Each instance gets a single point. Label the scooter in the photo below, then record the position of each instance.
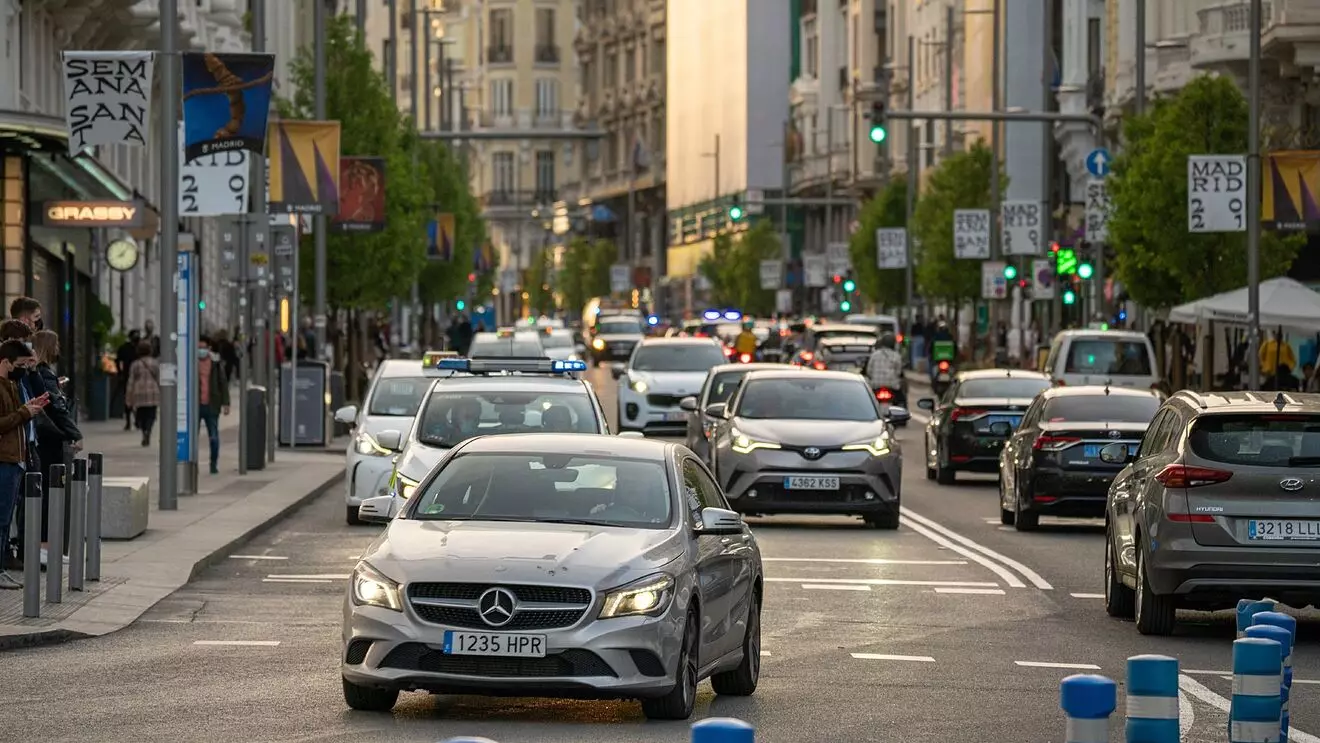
(943, 378)
(890, 397)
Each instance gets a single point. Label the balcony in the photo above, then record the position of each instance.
(499, 54)
(547, 54)
(1292, 32)
(1223, 36)
(509, 203)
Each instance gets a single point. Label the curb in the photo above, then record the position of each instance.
(56, 636)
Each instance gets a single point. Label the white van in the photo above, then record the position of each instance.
(1122, 358)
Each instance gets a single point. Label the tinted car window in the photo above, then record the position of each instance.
(618, 327)
(549, 488)
(1103, 356)
(398, 396)
(505, 347)
(807, 399)
(452, 417)
(1102, 407)
(723, 386)
(1002, 387)
(1258, 440)
(694, 357)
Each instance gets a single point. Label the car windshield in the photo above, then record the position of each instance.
(557, 340)
(616, 326)
(398, 396)
(1105, 356)
(495, 347)
(723, 386)
(1004, 387)
(549, 488)
(1102, 407)
(452, 417)
(677, 357)
(1271, 440)
(809, 398)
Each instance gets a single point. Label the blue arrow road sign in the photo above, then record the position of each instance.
(1097, 163)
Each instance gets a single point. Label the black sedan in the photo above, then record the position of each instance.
(959, 437)
(1051, 465)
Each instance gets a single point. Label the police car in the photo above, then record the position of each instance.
(486, 397)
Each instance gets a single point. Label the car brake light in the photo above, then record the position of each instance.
(959, 413)
(745, 358)
(944, 366)
(1191, 518)
(1182, 476)
(728, 351)
(1054, 443)
(808, 356)
(884, 395)
(820, 365)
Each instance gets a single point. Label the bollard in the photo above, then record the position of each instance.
(55, 535)
(77, 525)
(1248, 608)
(95, 475)
(1257, 679)
(1088, 701)
(1152, 699)
(32, 545)
(722, 730)
(1285, 640)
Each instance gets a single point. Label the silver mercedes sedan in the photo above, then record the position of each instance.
(558, 565)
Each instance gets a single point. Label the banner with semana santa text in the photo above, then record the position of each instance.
(107, 98)
(226, 102)
(361, 195)
(304, 167)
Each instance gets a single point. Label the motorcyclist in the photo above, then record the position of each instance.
(885, 368)
(942, 333)
(746, 342)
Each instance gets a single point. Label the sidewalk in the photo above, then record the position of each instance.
(135, 574)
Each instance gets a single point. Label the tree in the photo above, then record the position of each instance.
(536, 282)
(888, 287)
(447, 178)
(960, 182)
(733, 268)
(586, 271)
(1155, 257)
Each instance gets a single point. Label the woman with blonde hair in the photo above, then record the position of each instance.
(144, 390)
(57, 425)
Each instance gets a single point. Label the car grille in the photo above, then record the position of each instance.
(802, 451)
(357, 652)
(414, 656)
(473, 591)
(664, 401)
(455, 605)
(775, 492)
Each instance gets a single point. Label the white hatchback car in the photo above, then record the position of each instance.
(1121, 358)
(658, 375)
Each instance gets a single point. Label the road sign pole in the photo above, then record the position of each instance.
(1253, 194)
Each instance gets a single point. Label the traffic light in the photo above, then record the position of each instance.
(1069, 296)
(461, 305)
(1085, 270)
(1010, 272)
(838, 279)
(878, 133)
(201, 304)
(850, 286)
(845, 306)
(735, 213)
(1065, 262)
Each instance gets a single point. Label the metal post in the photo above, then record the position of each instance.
(393, 62)
(717, 166)
(272, 367)
(996, 103)
(168, 314)
(55, 529)
(448, 110)
(1140, 93)
(911, 156)
(259, 197)
(360, 15)
(1253, 195)
(427, 115)
(786, 177)
(318, 226)
(829, 178)
(1047, 184)
(95, 479)
(948, 78)
(32, 545)
(78, 525)
(244, 330)
(294, 328)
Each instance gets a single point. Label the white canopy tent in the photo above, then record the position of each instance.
(1283, 301)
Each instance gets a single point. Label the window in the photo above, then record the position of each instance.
(547, 98)
(1101, 407)
(501, 29)
(454, 417)
(1156, 434)
(611, 69)
(629, 65)
(398, 396)
(611, 152)
(502, 172)
(658, 57)
(618, 327)
(545, 172)
(1103, 356)
(812, 51)
(807, 399)
(723, 386)
(519, 346)
(658, 136)
(1258, 440)
(545, 27)
(549, 488)
(501, 97)
(1004, 388)
(687, 357)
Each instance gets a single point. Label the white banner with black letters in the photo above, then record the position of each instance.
(213, 184)
(107, 97)
(772, 274)
(891, 247)
(971, 234)
(1024, 227)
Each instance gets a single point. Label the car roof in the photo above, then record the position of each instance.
(758, 366)
(835, 327)
(678, 341)
(1096, 390)
(1248, 402)
(390, 368)
(1114, 334)
(496, 382)
(784, 373)
(570, 443)
(965, 376)
(843, 340)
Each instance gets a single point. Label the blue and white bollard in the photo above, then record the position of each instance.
(723, 730)
(1247, 609)
(1088, 701)
(1257, 680)
(1285, 640)
(1152, 699)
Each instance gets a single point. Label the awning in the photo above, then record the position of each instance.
(1283, 301)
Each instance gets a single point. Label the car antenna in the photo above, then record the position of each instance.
(1280, 401)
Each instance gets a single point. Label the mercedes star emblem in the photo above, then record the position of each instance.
(811, 452)
(1115, 434)
(1291, 484)
(496, 607)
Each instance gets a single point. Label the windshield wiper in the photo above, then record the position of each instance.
(581, 522)
(1303, 461)
(432, 441)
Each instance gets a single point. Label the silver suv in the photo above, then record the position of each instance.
(1217, 505)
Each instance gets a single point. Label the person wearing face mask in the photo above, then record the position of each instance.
(56, 426)
(29, 386)
(213, 396)
(27, 311)
(15, 417)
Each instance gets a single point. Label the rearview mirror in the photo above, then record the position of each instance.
(926, 403)
(689, 404)
(378, 510)
(346, 415)
(390, 439)
(898, 415)
(1001, 428)
(1115, 454)
(720, 521)
(617, 370)
(717, 410)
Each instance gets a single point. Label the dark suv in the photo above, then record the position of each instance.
(1217, 504)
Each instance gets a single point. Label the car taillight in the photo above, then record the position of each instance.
(884, 395)
(1182, 476)
(944, 366)
(819, 365)
(808, 356)
(1060, 383)
(1191, 518)
(959, 413)
(728, 351)
(899, 338)
(1054, 443)
(745, 358)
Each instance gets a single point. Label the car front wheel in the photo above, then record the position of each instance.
(353, 518)
(369, 698)
(677, 704)
(741, 681)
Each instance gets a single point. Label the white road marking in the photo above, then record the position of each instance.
(977, 591)
(882, 656)
(257, 557)
(1196, 689)
(1043, 664)
(1026, 572)
(240, 643)
(296, 580)
(992, 522)
(765, 653)
(863, 561)
(1192, 672)
(1012, 580)
(1186, 715)
(835, 587)
(1087, 595)
(887, 582)
(316, 576)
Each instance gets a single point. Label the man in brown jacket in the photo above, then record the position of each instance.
(14, 416)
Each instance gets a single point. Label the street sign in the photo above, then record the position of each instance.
(620, 278)
(754, 201)
(891, 248)
(816, 270)
(213, 184)
(1097, 163)
(1097, 211)
(838, 261)
(1042, 276)
(1024, 227)
(993, 283)
(1216, 193)
(186, 350)
(772, 274)
(971, 234)
(784, 301)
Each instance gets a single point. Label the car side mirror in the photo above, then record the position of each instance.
(391, 439)
(689, 404)
(617, 370)
(926, 403)
(377, 510)
(720, 521)
(898, 415)
(1001, 428)
(717, 410)
(1115, 454)
(346, 415)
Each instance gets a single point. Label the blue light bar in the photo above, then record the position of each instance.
(569, 366)
(509, 366)
(452, 364)
(711, 315)
(653, 320)
(433, 359)
(732, 315)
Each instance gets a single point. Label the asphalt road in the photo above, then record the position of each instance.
(952, 628)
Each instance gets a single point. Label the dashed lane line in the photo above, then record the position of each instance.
(1044, 664)
(257, 557)
(973, 591)
(1004, 573)
(1087, 595)
(296, 580)
(239, 643)
(1199, 691)
(834, 587)
(901, 658)
(1028, 573)
(887, 582)
(863, 561)
(316, 576)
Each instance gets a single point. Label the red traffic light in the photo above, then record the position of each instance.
(1022, 283)
(838, 279)
(1054, 247)
(472, 277)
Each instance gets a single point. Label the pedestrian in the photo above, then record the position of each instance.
(57, 425)
(27, 311)
(15, 418)
(124, 358)
(465, 332)
(29, 388)
(149, 335)
(213, 396)
(228, 352)
(144, 391)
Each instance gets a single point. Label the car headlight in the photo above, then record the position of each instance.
(371, 588)
(405, 486)
(744, 444)
(646, 597)
(598, 344)
(877, 447)
(365, 444)
(639, 386)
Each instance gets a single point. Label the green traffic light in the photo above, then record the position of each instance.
(735, 213)
(1070, 297)
(1065, 261)
(1085, 270)
(845, 305)
(1010, 272)
(849, 286)
(461, 305)
(878, 133)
